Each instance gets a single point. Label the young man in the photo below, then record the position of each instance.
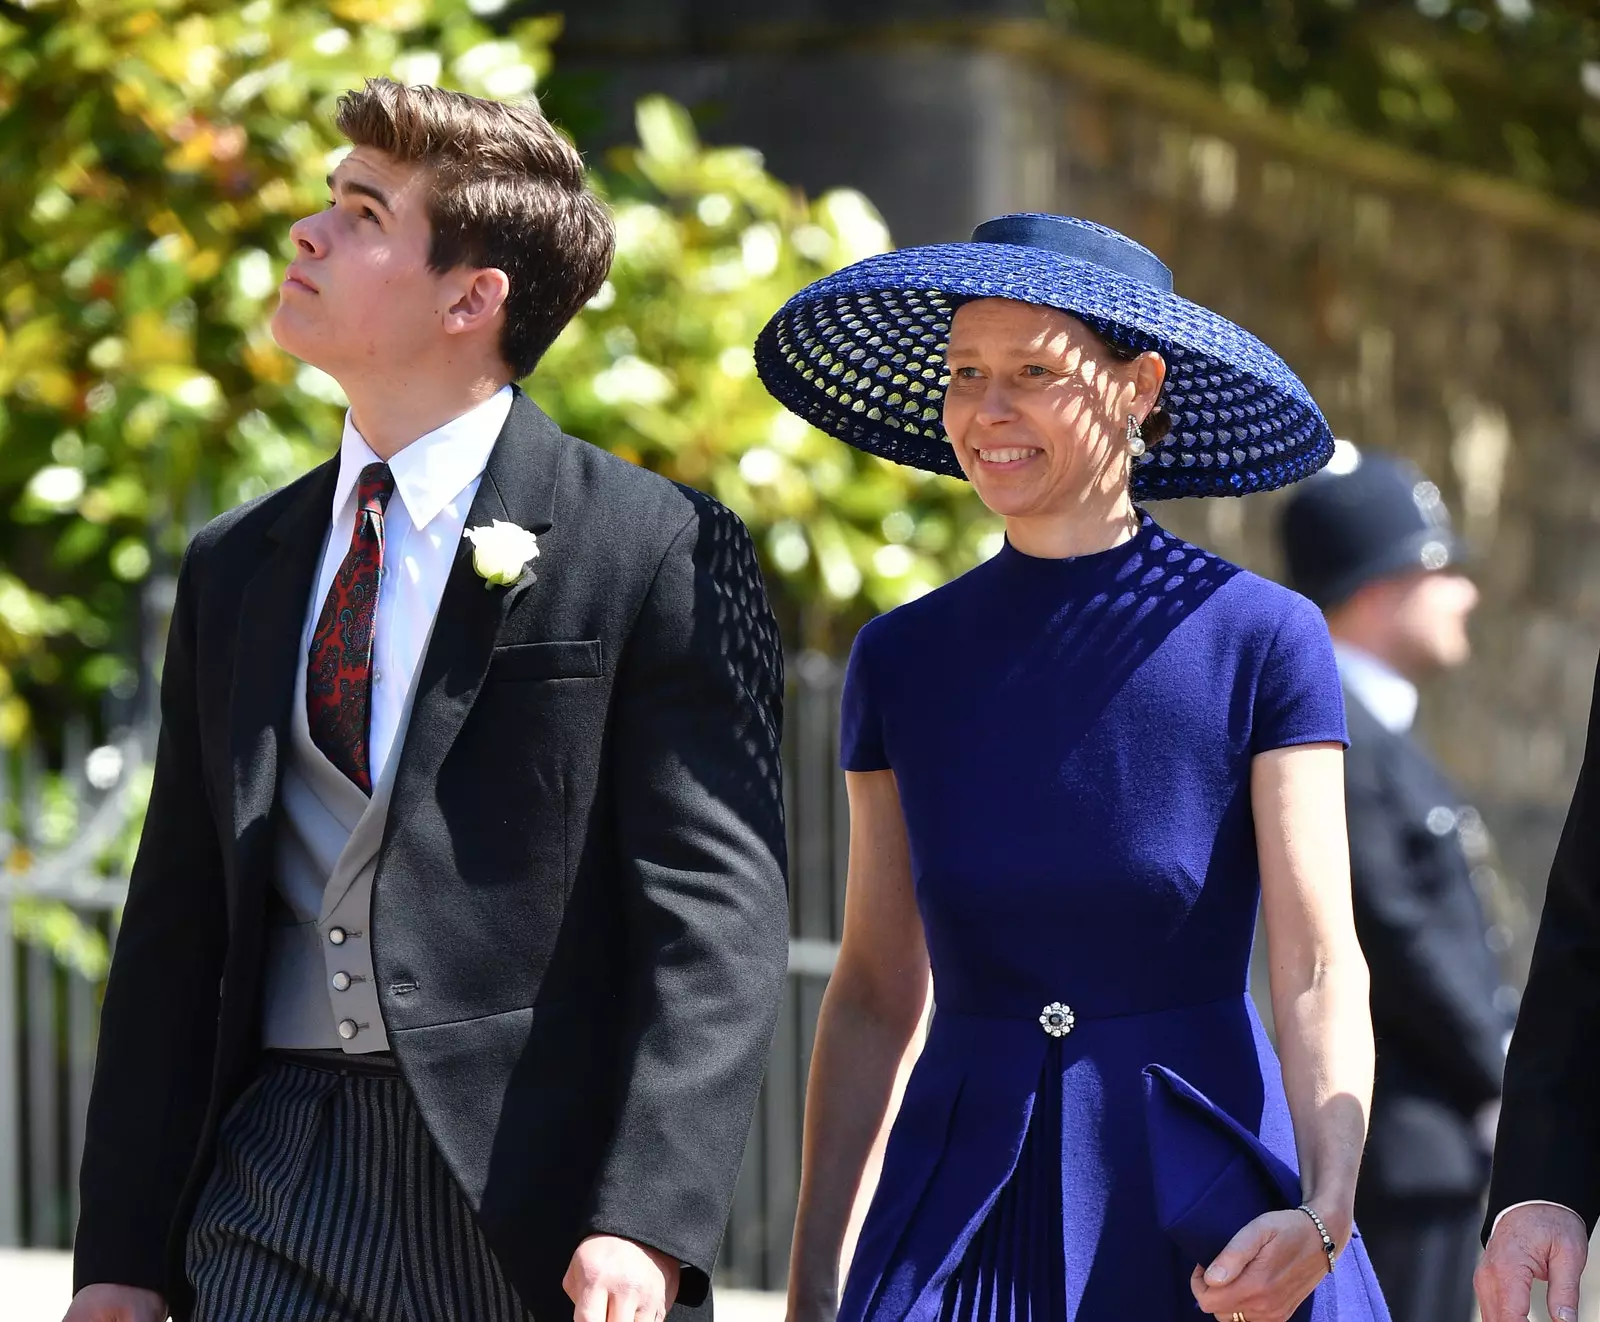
(458, 928)
(1369, 541)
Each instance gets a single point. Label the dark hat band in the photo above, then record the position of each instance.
(1111, 251)
(1429, 550)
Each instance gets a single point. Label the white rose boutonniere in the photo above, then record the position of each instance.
(501, 552)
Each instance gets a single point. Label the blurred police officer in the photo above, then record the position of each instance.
(1369, 540)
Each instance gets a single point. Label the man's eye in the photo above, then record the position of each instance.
(967, 373)
(1033, 369)
(367, 213)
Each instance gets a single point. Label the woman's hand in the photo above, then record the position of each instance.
(1266, 1271)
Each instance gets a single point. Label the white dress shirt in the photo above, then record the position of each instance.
(1389, 697)
(435, 480)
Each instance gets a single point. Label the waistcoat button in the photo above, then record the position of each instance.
(336, 935)
(348, 1029)
(341, 981)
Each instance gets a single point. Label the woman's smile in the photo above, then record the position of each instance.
(1009, 457)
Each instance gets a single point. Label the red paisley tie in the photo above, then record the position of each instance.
(339, 669)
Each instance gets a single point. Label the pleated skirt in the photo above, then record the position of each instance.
(1014, 1270)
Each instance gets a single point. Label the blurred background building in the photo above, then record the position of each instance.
(1401, 196)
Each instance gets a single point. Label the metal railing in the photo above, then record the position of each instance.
(57, 917)
(755, 1253)
(49, 1002)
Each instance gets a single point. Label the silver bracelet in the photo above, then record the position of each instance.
(1327, 1239)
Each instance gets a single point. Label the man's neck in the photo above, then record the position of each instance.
(390, 415)
(1388, 695)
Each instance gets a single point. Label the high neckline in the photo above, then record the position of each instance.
(1011, 558)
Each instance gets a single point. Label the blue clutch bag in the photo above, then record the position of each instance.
(1212, 1175)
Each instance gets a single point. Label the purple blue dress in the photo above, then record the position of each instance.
(1072, 741)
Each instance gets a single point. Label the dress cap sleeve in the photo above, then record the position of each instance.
(1298, 696)
(861, 742)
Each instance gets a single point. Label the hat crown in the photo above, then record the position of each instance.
(1080, 239)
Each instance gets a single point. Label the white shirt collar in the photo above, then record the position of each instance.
(1389, 696)
(434, 469)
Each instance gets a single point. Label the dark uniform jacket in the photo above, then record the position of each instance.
(1549, 1142)
(579, 922)
(1439, 1034)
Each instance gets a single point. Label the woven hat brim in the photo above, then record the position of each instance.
(860, 355)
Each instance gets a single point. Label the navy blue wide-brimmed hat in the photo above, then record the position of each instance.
(1366, 516)
(860, 354)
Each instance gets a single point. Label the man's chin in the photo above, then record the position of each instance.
(295, 342)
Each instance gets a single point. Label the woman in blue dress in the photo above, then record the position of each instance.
(1073, 774)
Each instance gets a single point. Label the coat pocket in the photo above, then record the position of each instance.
(557, 659)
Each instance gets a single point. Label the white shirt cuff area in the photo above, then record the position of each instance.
(1530, 1202)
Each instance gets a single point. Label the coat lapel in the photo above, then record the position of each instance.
(272, 611)
(519, 486)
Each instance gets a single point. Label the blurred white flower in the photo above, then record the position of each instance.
(511, 80)
(198, 392)
(255, 274)
(645, 233)
(840, 577)
(631, 380)
(788, 431)
(103, 767)
(787, 546)
(420, 66)
(758, 247)
(893, 561)
(856, 221)
(714, 209)
(736, 361)
(57, 485)
(812, 242)
(319, 385)
(760, 466)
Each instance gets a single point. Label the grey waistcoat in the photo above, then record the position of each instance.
(318, 987)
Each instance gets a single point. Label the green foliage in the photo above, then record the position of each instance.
(74, 943)
(142, 240)
(1511, 87)
(154, 154)
(659, 369)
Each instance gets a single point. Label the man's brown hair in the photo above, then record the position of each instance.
(507, 191)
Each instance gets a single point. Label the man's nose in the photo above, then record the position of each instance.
(306, 234)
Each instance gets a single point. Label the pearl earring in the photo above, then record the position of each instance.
(1135, 437)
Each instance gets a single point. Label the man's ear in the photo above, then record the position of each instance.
(476, 300)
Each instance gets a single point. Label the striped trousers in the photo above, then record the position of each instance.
(329, 1203)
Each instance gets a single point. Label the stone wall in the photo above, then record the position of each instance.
(1458, 338)
(1449, 318)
